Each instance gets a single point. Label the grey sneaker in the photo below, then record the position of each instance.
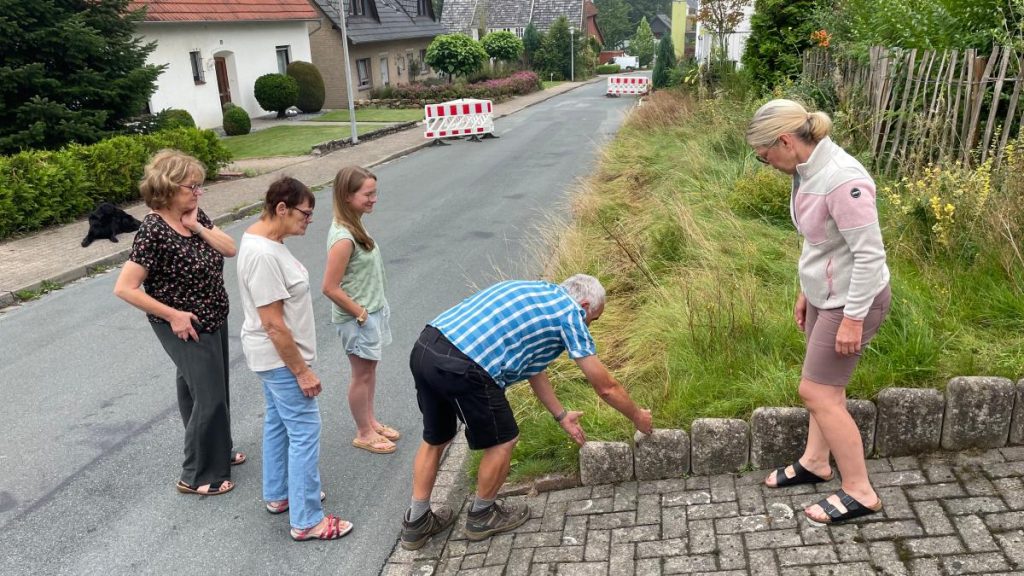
(415, 534)
(498, 517)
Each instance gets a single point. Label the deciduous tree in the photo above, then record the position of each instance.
(721, 17)
(455, 55)
(613, 19)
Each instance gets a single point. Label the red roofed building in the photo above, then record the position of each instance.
(215, 50)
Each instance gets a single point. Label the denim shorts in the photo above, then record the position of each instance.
(367, 341)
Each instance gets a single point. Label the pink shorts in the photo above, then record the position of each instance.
(822, 364)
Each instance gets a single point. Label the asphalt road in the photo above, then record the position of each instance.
(91, 434)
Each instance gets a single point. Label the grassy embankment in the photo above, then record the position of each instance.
(691, 237)
(287, 140)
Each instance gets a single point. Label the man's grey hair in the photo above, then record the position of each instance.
(582, 287)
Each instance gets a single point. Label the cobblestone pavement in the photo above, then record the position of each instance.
(946, 513)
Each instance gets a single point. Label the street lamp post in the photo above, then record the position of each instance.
(572, 54)
(348, 72)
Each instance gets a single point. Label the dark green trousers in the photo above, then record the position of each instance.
(202, 380)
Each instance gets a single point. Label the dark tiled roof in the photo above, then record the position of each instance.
(398, 21)
(462, 15)
(225, 10)
(545, 12)
(458, 15)
(664, 21)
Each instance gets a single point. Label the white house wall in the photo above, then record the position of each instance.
(250, 51)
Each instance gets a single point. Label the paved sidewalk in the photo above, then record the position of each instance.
(56, 255)
(945, 513)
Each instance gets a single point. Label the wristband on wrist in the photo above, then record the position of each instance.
(561, 415)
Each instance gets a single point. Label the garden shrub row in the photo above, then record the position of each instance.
(498, 89)
(608, 69)
(42, 188)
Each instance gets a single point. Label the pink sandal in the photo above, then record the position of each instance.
(332, 531)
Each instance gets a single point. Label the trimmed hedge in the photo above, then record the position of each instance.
(236, 121)
(608, 69)
(311, 86)
(43, 188)
(276, 92)
(171, 118)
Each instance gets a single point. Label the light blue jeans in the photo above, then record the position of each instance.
(291, 448)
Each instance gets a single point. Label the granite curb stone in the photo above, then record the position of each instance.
(662, 454)
(978, 411)
(909, 421)
(719, 445)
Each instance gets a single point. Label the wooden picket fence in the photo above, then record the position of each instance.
(927, 106)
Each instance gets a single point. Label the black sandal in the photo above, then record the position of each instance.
(801, 475)
(854, 509)
(216, 488)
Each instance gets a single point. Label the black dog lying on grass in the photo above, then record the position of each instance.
(107, 221)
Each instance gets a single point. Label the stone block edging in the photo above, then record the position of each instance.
(974, 412)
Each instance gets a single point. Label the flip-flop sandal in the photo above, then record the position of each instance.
(216, 488)
(336, 528)
(238, 458)
(388, 432)
(854, 509)
(372, 446)
(801, 475)
(282, 505)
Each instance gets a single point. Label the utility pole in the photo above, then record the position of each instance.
(348, 71)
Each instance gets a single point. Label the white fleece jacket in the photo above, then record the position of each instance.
(833, 207)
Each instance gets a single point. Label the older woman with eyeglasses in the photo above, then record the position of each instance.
(175, 274)
(844, 295)
(279, 341)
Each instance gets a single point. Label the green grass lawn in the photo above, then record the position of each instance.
(286, 140)
(374, 115)
(551, 83)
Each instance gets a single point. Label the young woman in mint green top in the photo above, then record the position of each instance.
(354, 281)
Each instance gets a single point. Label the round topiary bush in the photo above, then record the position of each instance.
(311, 86)
(236, 121)
(276, 92)
(171, 118)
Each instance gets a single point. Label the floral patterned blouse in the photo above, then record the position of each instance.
(183, 272)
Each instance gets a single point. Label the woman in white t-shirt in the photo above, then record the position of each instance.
(279, 341)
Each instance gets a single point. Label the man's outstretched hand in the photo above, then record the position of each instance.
(571, 425)
(643, 421)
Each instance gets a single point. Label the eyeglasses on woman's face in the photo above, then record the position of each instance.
(307, 213)
(763, 157)
(194, 188)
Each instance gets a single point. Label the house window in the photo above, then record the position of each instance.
(423, 60)
(283, 58)
(519, 32)
(197, 67)
(385, 80)
(421, 8)
(363, 71)
(358, 7)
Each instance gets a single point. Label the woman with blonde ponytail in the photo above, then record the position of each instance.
(354, 281)
(844, 295)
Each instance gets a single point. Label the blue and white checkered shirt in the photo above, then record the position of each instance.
(514, 329)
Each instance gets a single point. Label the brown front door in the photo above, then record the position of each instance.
(222, 80)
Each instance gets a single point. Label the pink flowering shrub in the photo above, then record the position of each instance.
(498, 89)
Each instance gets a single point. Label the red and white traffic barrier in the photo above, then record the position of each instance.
(631, 85)
(464, 117)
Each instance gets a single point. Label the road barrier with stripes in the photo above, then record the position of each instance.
(631, 85)
(464, 117)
